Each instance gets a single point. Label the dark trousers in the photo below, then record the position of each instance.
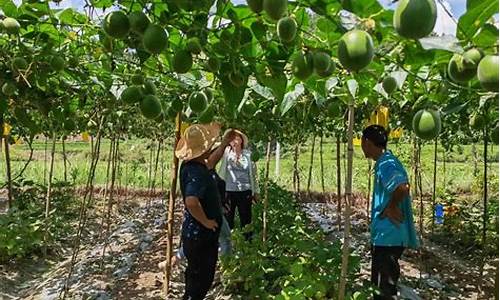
(201, 257)
(243, 202)
(385, 271)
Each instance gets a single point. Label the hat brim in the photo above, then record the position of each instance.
(244, 136)
(184, 152)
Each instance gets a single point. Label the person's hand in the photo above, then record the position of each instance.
(394, 214)
(255, 198)
(211, 224)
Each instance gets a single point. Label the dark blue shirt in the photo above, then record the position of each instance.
(197, 181)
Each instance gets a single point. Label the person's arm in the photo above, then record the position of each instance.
(392, 211)
(194, 207)
(215, 157)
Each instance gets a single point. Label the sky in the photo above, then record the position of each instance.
(444, 25)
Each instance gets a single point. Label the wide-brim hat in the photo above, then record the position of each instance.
(244, 136)
(197, 140)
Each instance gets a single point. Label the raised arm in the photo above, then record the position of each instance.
(215, 157)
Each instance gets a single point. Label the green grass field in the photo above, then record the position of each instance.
(455, 170)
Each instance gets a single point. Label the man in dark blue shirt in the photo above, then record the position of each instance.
(203, 211)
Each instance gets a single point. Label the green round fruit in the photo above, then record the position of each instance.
(275, 9)
(9, 88)
(236, 78)
(427, 124)
(207, 116)
(193, 45)
(303, 65)
(255, 5)
(328, 72)
(472, 57)
(149, 87)
(131, 94)
(11, 25)
(415, 19)
(460, 71)
(213, 64)
(209, 94)
(355, 50)
(150, 107)
(249, 109)
(321, 61)
(487, 73)
(155, 39)
(139, 21)
(389, 84)
(116, 25)
(19, 63)
(57, 63)
(476, 121)
(198, 102)
(287, 29)
(137, 79)
(177, 105)
(182, 61)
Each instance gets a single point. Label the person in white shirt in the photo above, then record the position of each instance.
(239, 172)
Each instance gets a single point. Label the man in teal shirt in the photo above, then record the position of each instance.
(392, 227)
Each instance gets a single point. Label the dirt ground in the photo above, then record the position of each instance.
(136, 244)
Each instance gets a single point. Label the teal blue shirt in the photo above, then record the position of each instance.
(389, 174)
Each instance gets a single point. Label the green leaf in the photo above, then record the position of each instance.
(475, 17)
(445, 42)
(232, 94)
(454, 108)
(277, 83)
(487, 37)
(352, 86)
(9, 8)
(291, 98)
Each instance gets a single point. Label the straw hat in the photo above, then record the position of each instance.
(244, 136)
(197, 140)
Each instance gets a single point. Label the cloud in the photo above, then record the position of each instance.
(444, 23)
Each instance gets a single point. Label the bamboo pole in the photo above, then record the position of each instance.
(339, 184)
(434, 186)
(47, 198)
(266, 195)
(277, 163)
(171, 205)
(321, 163)
(64, 160)
(8, 170)
(348, 194)
(311, 163)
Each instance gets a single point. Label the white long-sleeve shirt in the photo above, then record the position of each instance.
(239, 174)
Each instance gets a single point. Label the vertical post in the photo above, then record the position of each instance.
(434, 186)
(7, 166)
(369, 192)
(277, 166)
(171, 205)
(47, 198)
(348, 193)
(311, 163)
(322, 167)
(64, 159)
(339, 191)
(485, 187)
(266, 195)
